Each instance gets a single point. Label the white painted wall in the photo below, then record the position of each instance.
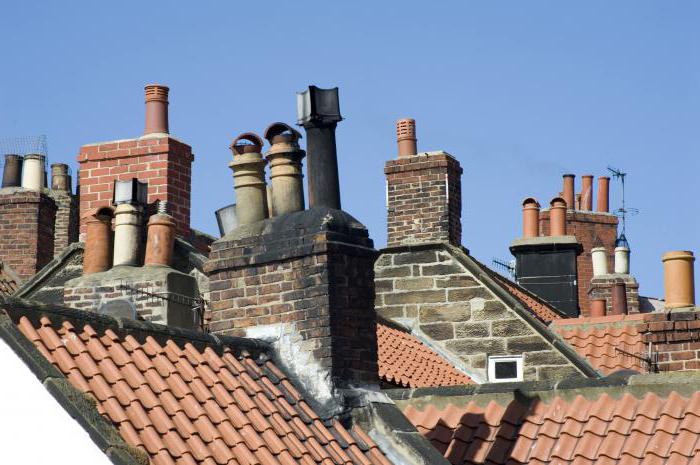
(34, 428)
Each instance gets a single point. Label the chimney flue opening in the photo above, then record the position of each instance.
(557, 217)
(406, 137)
(679, 285)
(531, 218)
(156, 109)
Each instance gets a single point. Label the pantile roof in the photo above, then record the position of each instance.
(634, 426)
(405, 361)
(185, 399)
(610, 343)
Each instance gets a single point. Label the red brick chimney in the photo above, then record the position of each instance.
(156, 158)
(424, 193)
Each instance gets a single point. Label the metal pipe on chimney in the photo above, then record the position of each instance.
(557, 217)
(600, 261)
(156, 109)
(12, 171)
(597, 308)
(98, 244)
(33, 172)
(531, 218)
(622, 260)
(60, 179)
(603, 194)
(284, 157)
(679, 282)
(161, 238)
(318, 111)
(249, 178)
(587, 192)
(406, 137)
(568, 192)
(619, 298)
(127, 234)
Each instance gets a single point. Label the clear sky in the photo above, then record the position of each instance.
(519, 92)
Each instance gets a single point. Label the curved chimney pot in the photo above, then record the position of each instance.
(531, 217)
(557, 217)
(156, 109)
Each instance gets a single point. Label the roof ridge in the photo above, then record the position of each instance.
(16, 308)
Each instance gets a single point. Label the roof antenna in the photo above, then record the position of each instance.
(507, 266)
(625, 211)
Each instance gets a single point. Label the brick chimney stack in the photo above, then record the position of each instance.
(157, 158)
(424, 193)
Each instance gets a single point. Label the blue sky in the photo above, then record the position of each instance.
(519, 92)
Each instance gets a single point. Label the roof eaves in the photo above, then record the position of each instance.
(80, 406)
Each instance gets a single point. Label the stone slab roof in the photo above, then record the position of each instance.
(406, 361)
(9, 281)
(182, 397)
(650, 419)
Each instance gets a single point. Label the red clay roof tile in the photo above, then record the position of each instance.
(188, 406)
(405, 361)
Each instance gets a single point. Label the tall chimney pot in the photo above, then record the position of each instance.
(587, 192)
(568, 192)
(603, 194)
(161, 238)
(98, 243)
(619, 298)
(249, 178)
(679, 285)
(318, 111)
(557, 217)
(597, 308)
(622, 260)
(33, 173)
(531, 218)
(600, 261)
(406, 137)
(60, 179)
(127, 234)
(156, 109)
(286, 194)
(12, 171)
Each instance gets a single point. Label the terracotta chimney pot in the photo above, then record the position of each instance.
(679, 283)
(248, 168)
(557, 217)
(98, 244)
(406, 137)
(161, 238)
(531, 218)
(597, 308)
(587, 192)
(603, 194)
(568, 192)
(156, 109)
(619, 298)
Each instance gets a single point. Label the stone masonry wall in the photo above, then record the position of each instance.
(66, 226)
(431, 291)
(424, 199)
(586, 226)
(163, 162)
(26, 230)
(601, 288)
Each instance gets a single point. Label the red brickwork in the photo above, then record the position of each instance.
(26, 230)
(601, 288)
(163, 162)
(675, 339)
(424, 199)
(586, 226)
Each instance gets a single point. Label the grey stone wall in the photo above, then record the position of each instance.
(429, 290)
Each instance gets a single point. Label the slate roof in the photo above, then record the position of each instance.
(610, 343)
(654, 423)
(190, 398)
(407, 362)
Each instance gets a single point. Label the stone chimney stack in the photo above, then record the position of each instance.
(424, 194)
(157, 158)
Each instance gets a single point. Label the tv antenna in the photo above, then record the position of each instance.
(504, 266)
(624, 211)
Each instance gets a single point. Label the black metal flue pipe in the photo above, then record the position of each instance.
(318, 112)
